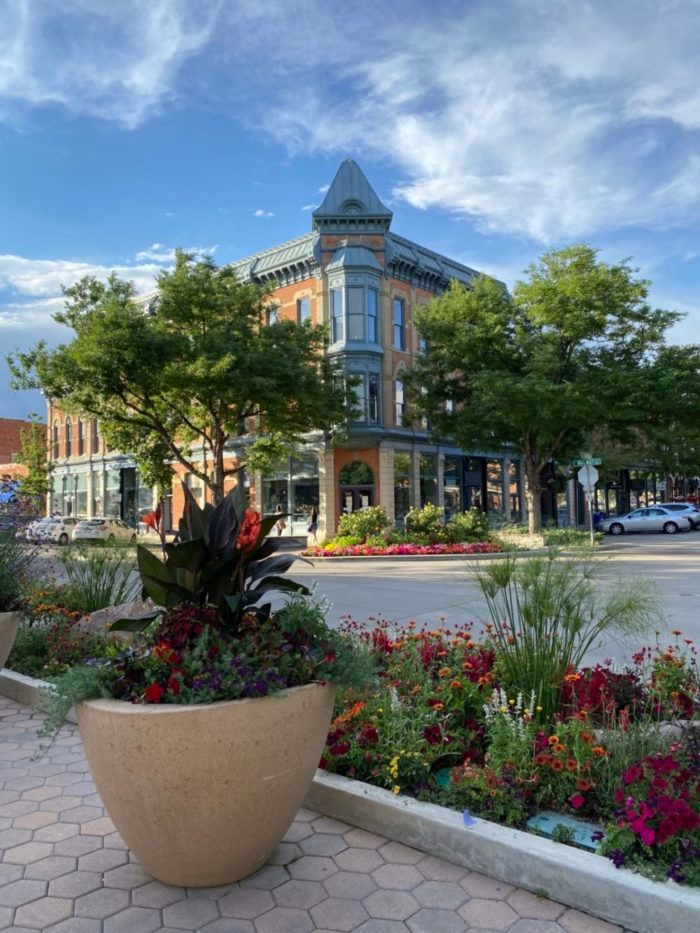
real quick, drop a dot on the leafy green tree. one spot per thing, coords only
(33, 454)
(186, 377)
(575, 351)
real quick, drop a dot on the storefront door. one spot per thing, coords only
(355, 498)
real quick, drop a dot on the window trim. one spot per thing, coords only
(300, 303)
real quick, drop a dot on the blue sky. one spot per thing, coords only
(494, 131)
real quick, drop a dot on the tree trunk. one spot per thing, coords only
(217, 485)
(533, 496)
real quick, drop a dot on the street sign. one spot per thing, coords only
(588, 477)
(586, 461)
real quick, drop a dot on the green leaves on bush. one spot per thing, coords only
(98, 577)
(15, 560)
(430, 521)
(362, 524)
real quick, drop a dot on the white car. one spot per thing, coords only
(107, 530)
(55, 530)
(35, 530)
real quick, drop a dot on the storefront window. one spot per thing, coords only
(81, 496)
(57, 494)
(113, 499)
(452, 485)
(514, 491)
(474, 483)
(97, 493)
(294, 487)
(428, 479)
(402, 486)
(494, 485)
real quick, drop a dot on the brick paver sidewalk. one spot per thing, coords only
(64, 869)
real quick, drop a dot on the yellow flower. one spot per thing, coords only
(396, 789)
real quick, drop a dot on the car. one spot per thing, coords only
(34, 530)
(55, 530)
(106, 530)
(685, 508)
(655, 518)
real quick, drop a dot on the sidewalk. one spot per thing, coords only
(64, 869)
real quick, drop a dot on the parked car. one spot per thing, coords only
(655, 518)
(107, 530)
(34, 530)
(56, 530)
(685, 508)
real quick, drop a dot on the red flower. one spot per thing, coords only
(432, 735)
(249, 531)
(576, 801)
(368, 734)
(340, 748)
(153, 693)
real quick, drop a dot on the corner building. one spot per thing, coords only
(364, 281)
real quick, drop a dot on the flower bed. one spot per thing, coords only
(402, 550)
(441, 727)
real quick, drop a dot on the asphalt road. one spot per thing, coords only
(445, 592)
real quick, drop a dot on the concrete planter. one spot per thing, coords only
(203, 794)
(9, 623)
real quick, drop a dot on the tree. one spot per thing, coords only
(575, 351)
(33, 454)
(186, 377)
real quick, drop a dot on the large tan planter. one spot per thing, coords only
(9, 623)
(203, 794)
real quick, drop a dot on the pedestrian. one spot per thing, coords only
(280, 524)
(313, 523)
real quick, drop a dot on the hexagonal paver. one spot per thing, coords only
(190, 913)
(75, 844)
(428, 920)
(155, 894)
(382, 926)
(284, 920)
(574, 921)
(339, 913)
(75, 884)
(529, 906)
(42, 913)
(350, 884)
(444, 894)
(297, 832)
(400, 877)
(285, 853)
(391, 905)
(102, 859)
(269, 877)
(28, 853)
(127, 876)
(359, 860)
(99, 827)
(297, 893)
(133, 920)
(246, 903)
(47, 869)
(60, 803)
(401, 854)
(56, 832)
(362, 839)
(488, 914)
(34, 820)
(314, 868)
(21, 892)
(80, 814)
(477, 885)
(531, 925)
(323, 844)
(101, 903)
(14, 837)
(225, 925)
(437, 869)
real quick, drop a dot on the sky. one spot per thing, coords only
(494, 131)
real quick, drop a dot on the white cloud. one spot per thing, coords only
(261, 213)
(323, 189)
(113, 61)
(168, 214)
(309, 207)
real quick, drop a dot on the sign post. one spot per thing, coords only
(588, 477)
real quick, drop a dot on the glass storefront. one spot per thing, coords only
(57, 494)
(402, 486)
(514, 491)
(81, 495)
(428, 479)
(294, 487)
(494, 486)
(97, 491)
(113, 497)
(452, 484)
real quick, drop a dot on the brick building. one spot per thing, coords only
(10, 443)
(364, 281)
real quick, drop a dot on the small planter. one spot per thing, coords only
(9, 623)
(203, 794)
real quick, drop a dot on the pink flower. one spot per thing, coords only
(577, 801)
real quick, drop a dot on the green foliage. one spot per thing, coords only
(563, 537)
(563, 834)
(364, 523)
(223, 558)
(469, 526)
(545, 613)
(576, 349)
(16, 559)
(429, 521)
(342, 541)
(188, 372)
(33, 454)
(49, 647)
(98, 577)
(77, 684)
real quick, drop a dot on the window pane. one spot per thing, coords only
(400, 404)
(428, 479)
(399, 324)
(337, 313)
(360, 409)
(372, 314)
(356, 314)
(402, 486)
(271, 315)
(452, 485)
(303, 310)
(373, 399)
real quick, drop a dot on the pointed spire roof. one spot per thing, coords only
(351, 204)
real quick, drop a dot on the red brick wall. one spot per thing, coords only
(9, 438)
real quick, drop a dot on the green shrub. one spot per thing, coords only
(469, 526)
(430, 521)
(49, 647)
(568, 536)
(99, 577)
(15, 561)
(362, 524)
(341, 541)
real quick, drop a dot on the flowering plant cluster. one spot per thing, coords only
(402, 549)
(657, 824)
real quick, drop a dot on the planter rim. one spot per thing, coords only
(124, 707)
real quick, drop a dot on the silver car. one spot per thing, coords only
(685, 508)
(655, 518)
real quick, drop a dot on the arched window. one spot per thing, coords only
(81, 437)
(356, 473)
(56, 440)
(69, 437)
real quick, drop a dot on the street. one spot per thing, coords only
(438, 591)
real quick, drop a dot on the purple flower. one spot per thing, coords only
(617, 857)
(597, 836)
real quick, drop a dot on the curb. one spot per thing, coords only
(572, 876)
(576, 878)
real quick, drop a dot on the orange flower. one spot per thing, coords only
(553, 740)
(599, 751)
(556, 765)
(586, 737)
(571, 765)
(455, 684)
(572, 678)
(444, 672)
(249, 531)
(583, 784)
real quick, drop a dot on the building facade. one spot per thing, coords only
(353, 273)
